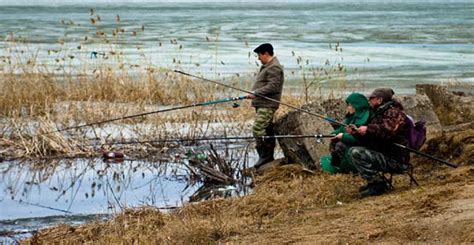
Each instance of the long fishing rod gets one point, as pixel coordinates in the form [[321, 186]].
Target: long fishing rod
[[426, 155], [316, 136], [264, 97], [313, 114], [151, 112]]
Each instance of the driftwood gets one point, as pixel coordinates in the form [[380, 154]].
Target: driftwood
[[212, 169]]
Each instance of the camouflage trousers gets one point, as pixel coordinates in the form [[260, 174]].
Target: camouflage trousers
[[370, 163], [263, 124]]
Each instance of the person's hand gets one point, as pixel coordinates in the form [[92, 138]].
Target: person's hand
[[337, 137], [362, 130], [251, 96], [351, 129]]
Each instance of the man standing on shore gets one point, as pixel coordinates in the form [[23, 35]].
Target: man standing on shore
[[268, 83], [378, 154]]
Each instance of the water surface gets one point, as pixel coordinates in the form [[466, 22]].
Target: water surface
[[396, 43]]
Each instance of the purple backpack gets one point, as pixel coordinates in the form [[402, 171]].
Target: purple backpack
[[416, 133]]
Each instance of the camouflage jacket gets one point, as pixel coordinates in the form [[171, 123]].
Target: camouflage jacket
[[387, 125], [269, 83]]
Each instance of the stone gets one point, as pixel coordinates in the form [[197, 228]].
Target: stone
[[451, 108], [308, 150], [419, 107]]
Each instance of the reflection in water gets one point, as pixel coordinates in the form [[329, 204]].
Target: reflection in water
[[40, 194], [85, 186]]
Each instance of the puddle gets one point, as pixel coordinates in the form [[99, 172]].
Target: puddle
[[83, 190], [36, 195], [86, 186]]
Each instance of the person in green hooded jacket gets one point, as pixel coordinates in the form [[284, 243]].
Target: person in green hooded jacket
[[357, 113]]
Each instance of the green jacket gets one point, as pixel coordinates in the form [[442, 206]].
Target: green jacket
[[359, 118]]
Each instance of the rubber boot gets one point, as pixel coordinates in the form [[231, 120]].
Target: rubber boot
[[265, 150], [374, 188]]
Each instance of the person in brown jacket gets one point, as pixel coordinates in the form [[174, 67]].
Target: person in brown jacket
[[378, 154], [269, 83]]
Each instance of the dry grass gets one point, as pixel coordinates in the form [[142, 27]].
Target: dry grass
[[279, 194], [287, 200], [68, 88], [290, 204], [36, 104], [38, 94]]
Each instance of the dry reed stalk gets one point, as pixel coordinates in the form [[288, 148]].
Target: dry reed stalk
[[42, 143], [278, 195], [28, 94], [111, 87]]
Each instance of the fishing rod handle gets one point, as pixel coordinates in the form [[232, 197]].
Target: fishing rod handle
[[324, 135], [243, 97], [221, 101]]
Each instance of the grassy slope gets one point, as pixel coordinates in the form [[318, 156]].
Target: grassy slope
[[439, 211], [290, 205]]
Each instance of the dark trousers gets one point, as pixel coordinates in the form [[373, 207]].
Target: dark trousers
[[337, 149]]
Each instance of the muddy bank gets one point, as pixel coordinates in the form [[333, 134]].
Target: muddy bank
[[291, 204]]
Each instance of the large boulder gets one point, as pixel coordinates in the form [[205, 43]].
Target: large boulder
[[419, 107], [451, 108], [308, 150]]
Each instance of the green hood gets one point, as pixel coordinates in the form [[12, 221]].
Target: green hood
[[361, 106]]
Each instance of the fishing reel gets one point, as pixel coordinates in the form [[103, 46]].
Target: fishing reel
[[319, 138], [235, 105]]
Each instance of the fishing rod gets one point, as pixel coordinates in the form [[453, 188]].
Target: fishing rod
[[154, 112], [313, 114], [426, 155], [316, 136], [264, 97]]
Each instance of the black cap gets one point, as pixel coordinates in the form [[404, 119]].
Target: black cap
[[385, 93], [266, 47]]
